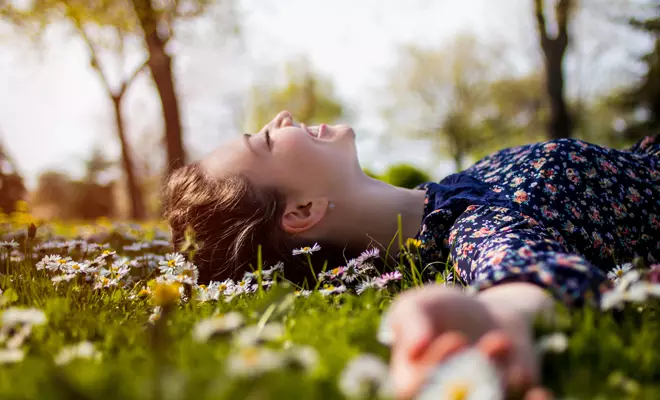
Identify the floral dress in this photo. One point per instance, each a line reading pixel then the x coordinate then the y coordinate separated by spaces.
pixel 559 214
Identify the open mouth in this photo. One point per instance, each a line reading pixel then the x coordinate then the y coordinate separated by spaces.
pixel 318 132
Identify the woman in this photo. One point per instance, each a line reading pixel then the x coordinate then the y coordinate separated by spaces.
pixel 522 226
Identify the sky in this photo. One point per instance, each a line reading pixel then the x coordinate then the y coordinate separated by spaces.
pixel 53 109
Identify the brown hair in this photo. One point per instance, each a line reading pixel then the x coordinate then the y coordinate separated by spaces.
pixel 231 217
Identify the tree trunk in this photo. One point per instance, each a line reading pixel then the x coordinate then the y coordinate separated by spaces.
pixel 160 65
pixel 560 124
pixel 458 161
pixel 138 211
pixel 554 49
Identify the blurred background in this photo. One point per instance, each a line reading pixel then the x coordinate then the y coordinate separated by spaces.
pixel 99 99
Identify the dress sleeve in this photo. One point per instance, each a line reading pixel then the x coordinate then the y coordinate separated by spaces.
pixel 495 245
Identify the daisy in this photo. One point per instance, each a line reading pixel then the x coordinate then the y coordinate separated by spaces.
pixel 155 314
pixel 53 262
pixel 277 268
pixel 388 277
pixel 553 343
pixel 171 262
pixel 9 245
pixel 217 325
pixel 223 288
pixel 366 284
pixel 105 282
pixel 367 255
pixel 307 250
pixel 385 332
pixel 612 299
pixel 302 357
pixel 23 316
pixel 302 293
pixel 332 289
pixel 74 267
pixel 365 376
pixel 83 350
pixel 351 272
pixel 619 271
pixel 243 286
pixel 11 356
pixel 62 278
pixel 467 376
pixel 253 335
pixel 253 361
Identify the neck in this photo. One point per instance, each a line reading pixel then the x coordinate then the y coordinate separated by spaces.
pixel 369 213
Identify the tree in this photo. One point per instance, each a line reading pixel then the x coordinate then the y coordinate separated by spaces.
pixel 152 21
pixel 554 48
pixel 57 196
pixel 12 188
pixel 645 94
pixel 405 175
pixel 116 96
pixel 307 95
pixel 443 95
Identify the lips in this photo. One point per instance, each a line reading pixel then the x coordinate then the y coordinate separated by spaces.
pixel 319 132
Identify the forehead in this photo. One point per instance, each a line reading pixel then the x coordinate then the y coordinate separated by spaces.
pixel 227 159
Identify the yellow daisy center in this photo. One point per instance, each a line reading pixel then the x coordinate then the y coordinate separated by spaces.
pixel 307 248
pixel 458 391
pixel 61 261
pixel 75 266
pixel 171 263
pixel 336 270
pixel 250 356
pixel 619 272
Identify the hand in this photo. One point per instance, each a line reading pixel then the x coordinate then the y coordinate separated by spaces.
pixel 432 323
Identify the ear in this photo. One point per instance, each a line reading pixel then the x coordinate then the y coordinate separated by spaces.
pixel 301 216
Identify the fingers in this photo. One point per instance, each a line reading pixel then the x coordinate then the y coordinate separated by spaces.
pixel 499 347
pixel 538 393
pixel 409 375
pixel 413 329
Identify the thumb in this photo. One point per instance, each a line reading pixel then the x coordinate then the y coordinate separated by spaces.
pixel 413 331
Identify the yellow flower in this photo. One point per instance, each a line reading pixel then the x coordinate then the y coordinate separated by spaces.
pixel 458 391
pixel 166 294
pixel 413 243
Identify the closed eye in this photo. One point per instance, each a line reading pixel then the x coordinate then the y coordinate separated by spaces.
pixel 268 142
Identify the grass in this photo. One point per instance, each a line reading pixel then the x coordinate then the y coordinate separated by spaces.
pixel 609 356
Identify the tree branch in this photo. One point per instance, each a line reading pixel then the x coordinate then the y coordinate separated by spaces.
pixel 540 21
pixel 127 83
pixel 563 9
pixel 93 55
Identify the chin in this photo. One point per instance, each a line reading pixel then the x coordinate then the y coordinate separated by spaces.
pixel 345 130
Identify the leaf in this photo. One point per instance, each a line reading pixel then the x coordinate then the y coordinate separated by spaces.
pixel 9 296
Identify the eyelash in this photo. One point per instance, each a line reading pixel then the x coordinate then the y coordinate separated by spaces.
pixel 267 134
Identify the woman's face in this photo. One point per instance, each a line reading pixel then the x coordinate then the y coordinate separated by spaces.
pixel 308 161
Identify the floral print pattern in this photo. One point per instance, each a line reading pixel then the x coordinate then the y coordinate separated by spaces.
pixel 559 214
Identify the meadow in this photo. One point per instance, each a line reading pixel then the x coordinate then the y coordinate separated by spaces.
pixel 108 311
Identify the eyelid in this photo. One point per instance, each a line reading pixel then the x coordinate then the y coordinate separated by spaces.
pixel 268 142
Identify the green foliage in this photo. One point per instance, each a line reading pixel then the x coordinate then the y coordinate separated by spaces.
pixel 645 94
pixel 370 173
pixel 307 95
pixel 405 175
pixel 608 356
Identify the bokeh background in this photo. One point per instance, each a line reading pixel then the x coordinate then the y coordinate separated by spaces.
pixel 100 99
